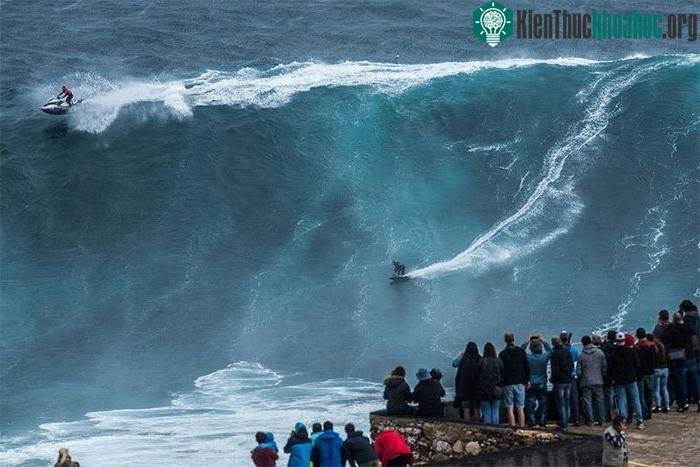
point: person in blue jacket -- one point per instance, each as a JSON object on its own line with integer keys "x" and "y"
{"x": 327, "y": 452}
{"x": 575, "y": 403}
{"x": 299, "y": 447}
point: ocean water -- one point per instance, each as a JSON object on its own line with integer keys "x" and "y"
{"x": 200, "y": 250}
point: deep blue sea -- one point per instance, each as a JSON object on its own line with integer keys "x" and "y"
{"x": 201, "y": 249}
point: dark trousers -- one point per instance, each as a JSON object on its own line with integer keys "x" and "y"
{"x": 646, "y": 394}
{"x": 400, "y": 461}
{"x": 593, "y": 404}
{"x": 609, "y": 393}
{"x": 575, "y": 402}
{"x": 537, "y": 405}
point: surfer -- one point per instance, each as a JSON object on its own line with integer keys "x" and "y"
{"x": 67, "y": 93}
{"x": 399, "y": 269}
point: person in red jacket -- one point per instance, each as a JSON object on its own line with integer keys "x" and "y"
{"x": 392, "y": 449}
{"x": 264, "y": 455}
{"x": 68, "y": 93}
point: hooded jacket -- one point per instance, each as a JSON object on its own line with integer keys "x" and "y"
{"x": 427, "y": 394}
{"x": 647, "y": 356}
{"x": 625, "y": 365}
{"x": 592, "y": 366}
{"x": 691, "y": 321}
{"x": 357, "y": 449}
{"x": 299, "y": 449}
{"x": 562, "y": 366}
{"x": 609, "y": 350}
{"x": 537, "y": 361}
{"x": 327, "y": 450}
{"x": 389, "y": 445}
{"x": 397, "y": 394}
{"x": 264, "y": 457}
{"x": 661, "y": 331}
{"x": 490, "y": 376}
{"x": 467, "y": 379}
{"x": 516, "y": 369}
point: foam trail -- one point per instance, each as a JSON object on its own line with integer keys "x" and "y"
{"x": 655, "y": 250}
{"x": 211, "y": 425}
{"x": 274, "y": 87}
{"x": 484, "y": 250}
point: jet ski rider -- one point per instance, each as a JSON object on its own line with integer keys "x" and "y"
{"x": 399, "y": 269}
{"x": 67, "y": 93}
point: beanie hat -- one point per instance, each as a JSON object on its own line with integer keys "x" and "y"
{"x": 423, "y": 374}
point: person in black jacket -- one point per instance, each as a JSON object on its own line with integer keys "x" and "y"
{"x": 515, "y": 377}
{"x": 608, "y": 349}
{"x": 646, "y": 351}
{"x": 427, "y": 394}
{"x": 683, "y": 356}
{"x": 490, "y": 385}
{"x": 467, "y": 384}
{"x": 357, "y": 449}
{"x": 624, "y": 371}
{"x": 562, "y": 367}
{"x": 397, "y": 392}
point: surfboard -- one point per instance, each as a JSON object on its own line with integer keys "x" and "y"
{"x": 399, "y": 278}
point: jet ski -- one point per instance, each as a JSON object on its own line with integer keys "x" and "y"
{"x": 399, "y": 272}
{"x": 58, "y": 106}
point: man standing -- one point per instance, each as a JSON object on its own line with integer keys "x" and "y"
{"x": 608, "y": 349}
{"x": 327, "y": 449}
{"x": 575, "y": 402}
{"x": 591, "y": 370}
{"x": 625, "y": 366}
{"x": 537, "y": 359}
{"x": 562, "y": 367}
{"x": 647, "y": 359}
{"x": 515, "y": 377}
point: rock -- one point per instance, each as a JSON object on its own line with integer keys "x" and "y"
{"x": 472, "y": 448}
{"x": 429, "y": 430}
{"x": 458, "y": 447}
{"x": 442, "y": 447}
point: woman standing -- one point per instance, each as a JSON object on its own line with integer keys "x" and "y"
{"x": 467, "y": 384}
{"x": 490, "y": 385}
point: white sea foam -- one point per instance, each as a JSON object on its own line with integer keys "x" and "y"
{"x": 521, "y": 233}
{"x": 274, "y": 87}
{"x": 649, "y": 241}
{"x": 212, "y": 425}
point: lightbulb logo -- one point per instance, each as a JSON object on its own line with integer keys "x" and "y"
{"x": 493, "y": 23}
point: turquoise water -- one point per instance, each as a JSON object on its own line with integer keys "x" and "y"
{"x": 229, "y": 198}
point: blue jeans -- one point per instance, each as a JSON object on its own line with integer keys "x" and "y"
{"x": 686, "y": 369}
{"x": 661, "y": 388}
{"x": 563, "y": 394}
{"x": 537, "y": 405}
{"x": 491, "y": 412}
{"x": 631, "y": 391}
{"x": 514, "y": 394}
{"x": 645, "y": 384}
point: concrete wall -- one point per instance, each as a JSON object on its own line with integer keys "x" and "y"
{"x": 454, "y": 442}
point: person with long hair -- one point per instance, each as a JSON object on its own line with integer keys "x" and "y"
{"x": 397, "y": 392}
{"x": 64, "y": 459}
{"x": 661, "y": 396}
{"x": 490, "y": 385}
{"x": 467, "y": 384}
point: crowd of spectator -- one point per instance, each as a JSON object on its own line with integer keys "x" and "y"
{"x": 325, "y": 448}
